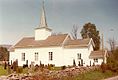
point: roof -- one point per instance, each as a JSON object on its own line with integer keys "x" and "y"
{"x": 44, "y": 28}
{"x": 53, "y": 40}
{"x": 77, "y": 43}
{"x": 11, "y": 49}
{"x": 97, "y": 54}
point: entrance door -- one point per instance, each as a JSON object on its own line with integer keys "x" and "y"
{"x": 81, "y": 62}
{"x": 26, "y": 62}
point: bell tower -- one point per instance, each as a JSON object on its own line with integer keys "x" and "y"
{"x": 42, "y": 32}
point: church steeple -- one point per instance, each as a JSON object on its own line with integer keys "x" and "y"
{"x": 43, "y": 22}
{"x": 43, "y": 31}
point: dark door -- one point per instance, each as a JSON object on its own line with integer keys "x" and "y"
{"x": 81, "y": 62}
{"x": 26, "y": 62}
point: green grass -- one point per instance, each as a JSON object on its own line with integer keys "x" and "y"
{"x": 3, "y": 71}
{"x": 56, "y": 68}
{"x": 94, "y": 75}
{"x": 25, "y": 70}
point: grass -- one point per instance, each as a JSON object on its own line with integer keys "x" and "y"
{"x": 95, "y": 75}
{"x": 25, "y": 70}
{"x": 3, "y": 71}
{"x": 56, "y": 68}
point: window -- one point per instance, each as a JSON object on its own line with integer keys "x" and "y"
{"x": 79, "y": 56}
{"x": 23, "y": 56}
{"x": 36, "y": 56}
{"x": 51, "y": 56}
{"x": 96, "y": 60}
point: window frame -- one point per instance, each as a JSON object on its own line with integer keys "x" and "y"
{"x": 36, "y": 56}
{"x": 96, "y": 60}
{"x": 79, "y": 56}
{"x": 50, "y": 56}
{"x": 23, "y": 56}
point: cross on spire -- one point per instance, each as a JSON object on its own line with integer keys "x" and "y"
{"x": 43, "y": 22}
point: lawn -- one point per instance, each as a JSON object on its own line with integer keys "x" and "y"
{"x": 95, "y": 75}
{"x": 2, "y": 71}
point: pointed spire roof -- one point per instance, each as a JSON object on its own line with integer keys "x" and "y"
{"x": 43, "y": 22}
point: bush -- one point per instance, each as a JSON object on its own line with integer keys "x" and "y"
{"x": 25, "y": 65}
{"x": 112, "y": 61}
{"x": 19, "y": 70}
{"x": 15, "y": 65}
{"x": 63, "y": 67}
{"x": 42, "y": 65}
{"x": 103, "y": 67}
{"x": 36, "y": 67}
{"x": 49, "y": 66}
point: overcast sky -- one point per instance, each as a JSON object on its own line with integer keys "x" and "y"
{"x": 19, "y": 18}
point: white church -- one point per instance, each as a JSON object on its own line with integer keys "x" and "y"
{"x": 59, "y": 50}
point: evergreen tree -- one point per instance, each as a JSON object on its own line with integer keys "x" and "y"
{"x": 3, "y": 53}
{"x": 89, "y": 31}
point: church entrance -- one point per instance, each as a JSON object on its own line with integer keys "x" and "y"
{"x": 80, "y": 62}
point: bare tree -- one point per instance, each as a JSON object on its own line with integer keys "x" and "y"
{"x": 74, "y": 32}
{"x": 112, "y": 44}
{"x": 55, "y": 33}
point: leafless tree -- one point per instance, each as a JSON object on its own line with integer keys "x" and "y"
{"x": 74, "y": 33}
{"x": 112, "y": 44}
{"x": 55, "y": 33}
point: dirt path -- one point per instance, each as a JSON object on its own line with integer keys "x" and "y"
{"x": 112, "y": 78}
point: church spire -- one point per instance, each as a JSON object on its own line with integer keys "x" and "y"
{"x": 43, "y": 22}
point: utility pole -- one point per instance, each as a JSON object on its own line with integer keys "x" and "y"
{"x": 103, "y": 47}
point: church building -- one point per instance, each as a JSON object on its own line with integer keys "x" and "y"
{"x": 59, "y": 50}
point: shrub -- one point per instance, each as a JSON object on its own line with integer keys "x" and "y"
{"x": 15, "y": 65}
{"x": 25, "y": 65}
{"x": 63, "y": 67}
{"x": 49, "y": 66}
{"x": 112, "y": 61}
{"x": 42, "y": 65}
{"x": 19, "y": 70}
{"x": 103, "y": 67}
{"x": 36, "y": 67}
{"x": 5, "y": 65}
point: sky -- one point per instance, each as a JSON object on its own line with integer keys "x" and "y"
{"x": 19, "y": 18}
